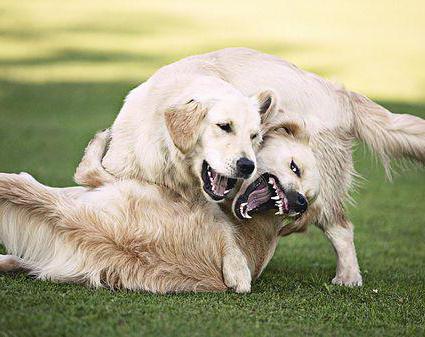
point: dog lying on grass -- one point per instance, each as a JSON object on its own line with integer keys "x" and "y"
{"x": 201, "y": 132}
{"x": 333, "y": 119}
{"x": 141, "y": 236}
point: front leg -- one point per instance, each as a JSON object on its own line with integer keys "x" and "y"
{"x": 341, "y": 236}
{"x": 236, "y": 273}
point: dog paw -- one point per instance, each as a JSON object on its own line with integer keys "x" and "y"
{"x": 236, "y": 273}
{"x": 349, "y": 280}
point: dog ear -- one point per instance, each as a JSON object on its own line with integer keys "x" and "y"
{"x": 295, "y": 128}
{"x": 183, "y": 123}
{"x": 267, "y": 105}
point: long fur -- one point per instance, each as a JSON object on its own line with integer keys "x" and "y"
{"x": 388, "y": 134}
{"x": 333, "y": 118}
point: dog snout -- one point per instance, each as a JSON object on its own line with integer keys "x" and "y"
{"x": 296, "y": 202}
{"x": 245, "y": 167}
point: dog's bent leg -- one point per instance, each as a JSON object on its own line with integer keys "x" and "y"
{"x": 341, "y": 236}
{"x": 90, "y": 171}
{"x": 9, "y": 263}
{"x": 236, "y": 272}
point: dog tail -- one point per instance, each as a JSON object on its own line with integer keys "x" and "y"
{"x": 90, "y": 171}
{"x": 24, "y": 191}
{"x": 389, "y": 135}
{"x": 29, "y": 211}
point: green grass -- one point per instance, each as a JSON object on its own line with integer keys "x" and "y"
{"x": 65, "y": 68}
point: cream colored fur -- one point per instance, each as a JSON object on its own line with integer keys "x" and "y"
{"x": 168, "y": 126}
{"x": 140, "y": 236}
{"x": 332, "y": 117}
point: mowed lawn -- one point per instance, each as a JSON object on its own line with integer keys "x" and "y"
{"x": 64, "y": 71}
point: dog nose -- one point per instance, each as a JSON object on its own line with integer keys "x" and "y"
{"x": 245, "y": 167}
{"x": 296, "y": 202}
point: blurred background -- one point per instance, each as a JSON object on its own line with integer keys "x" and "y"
{"x": 377, "y": 47}
{"x": 66, "y": 66}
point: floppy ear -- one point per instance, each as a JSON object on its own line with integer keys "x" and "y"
{"x": 183, "y": 123}
{"x": 295, "y": 128}
{"x": 267, "y": 104}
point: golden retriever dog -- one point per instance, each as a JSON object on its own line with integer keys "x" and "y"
{"x": 141, "y": 236}
{"x": 332, "y": 117}
{"x": 202, "y": 135}
{"x": 186, "y": 127}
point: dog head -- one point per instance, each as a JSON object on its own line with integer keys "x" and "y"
{"x": 287, "y": 179}
{"x": 218, "y": 137}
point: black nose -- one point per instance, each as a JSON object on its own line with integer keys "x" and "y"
{"x": 296, "y": 202}
{"x": 245, "y": 167}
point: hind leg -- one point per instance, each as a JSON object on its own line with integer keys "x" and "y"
{"x": 341, "y": 236}
{"x": 9, "y": 263}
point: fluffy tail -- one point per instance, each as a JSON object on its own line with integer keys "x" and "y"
{"x": 90, "y": 171}
{"x": 38, "y": 200}
{"x": 389, "y": 135}
{"x": 29, "y": 212}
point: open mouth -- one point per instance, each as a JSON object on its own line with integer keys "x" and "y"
{"x": 216, "y": 185}
{"x": 263, "y": 194}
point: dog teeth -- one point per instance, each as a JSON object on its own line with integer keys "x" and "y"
{"x": 276, "y": 197}
{"x": 244, "y": 210}
{"x": 280, "y": 211}
{"x": 226, "y": 191}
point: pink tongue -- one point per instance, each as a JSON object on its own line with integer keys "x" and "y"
{"x": 258, "y": 197}
{"x": 220, "y": 184}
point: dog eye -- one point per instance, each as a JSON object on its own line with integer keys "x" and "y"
{"x": 255, "y": 135}
{"x": 225, "y": 127}
{"x": 295, "y": 168}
